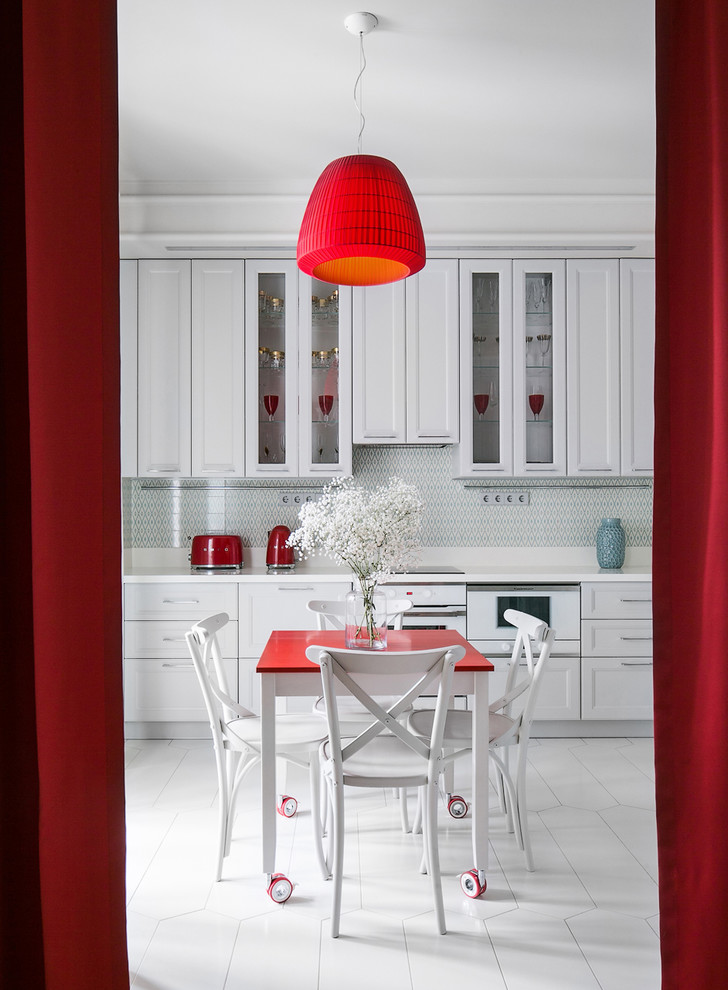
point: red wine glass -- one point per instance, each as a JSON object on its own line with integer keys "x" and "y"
{"x": 481, "y": 403}
{"x": 535, "y": 401}
{"x": 271, "y": 404}
{"x": 326, "y": 404}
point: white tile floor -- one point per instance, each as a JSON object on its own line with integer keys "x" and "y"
{"x": 586, "y": 919}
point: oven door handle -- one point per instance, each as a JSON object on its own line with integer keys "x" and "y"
{"x": 432, "y": 614}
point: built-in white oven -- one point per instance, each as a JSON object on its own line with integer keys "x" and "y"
{"x": 558, "y": 605}
{"x": 435, "y": 605}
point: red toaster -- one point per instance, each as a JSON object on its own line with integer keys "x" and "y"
{"x": 213, "y": 552}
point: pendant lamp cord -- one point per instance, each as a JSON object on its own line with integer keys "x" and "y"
{"x": 358, "y": 86}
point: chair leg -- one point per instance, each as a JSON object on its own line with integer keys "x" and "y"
{"x": 314, "y": 770}
{"x": 403, "y": 809}
{"x": 221, "y": 761}
{"x": 433, "y": 855}
{"x": 337, "y": 800}
{"x": 522, "y": 808}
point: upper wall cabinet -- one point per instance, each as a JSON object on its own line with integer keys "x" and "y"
{"x": 405, "y": 361}
{"x": 164, "y": 368}
{"x": 611, "y": 332}
{"x": 298, "y": 373}
{"x": 513, "y": 381}
{"x": 637, "y": 366}
{"x": 189, "y": 409}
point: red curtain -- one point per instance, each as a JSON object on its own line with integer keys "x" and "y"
{"x": 62, "y": 904}
{"x": 690, "y": 548}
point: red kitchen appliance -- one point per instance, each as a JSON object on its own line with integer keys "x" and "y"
{"x": 279, "y": 556}
{"x": 216, "y": 552}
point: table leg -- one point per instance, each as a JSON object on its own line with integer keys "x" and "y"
{"x": 268, "y": 771}
{"x": 480, "y": 755}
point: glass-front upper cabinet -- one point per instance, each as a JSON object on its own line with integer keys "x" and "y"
{"x": 271, "y": 316}
{"x": 486, "y": 369}
{"x": 539, "y": 357}
{"x": 324, "y": 326}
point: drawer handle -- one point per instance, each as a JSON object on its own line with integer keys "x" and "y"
{"x": 180, "y": 664}
{"x": 297, "y": 587}
{"x": 634, "y": 601}
{"x": 173, "y": 639}
{"x": 636, "y": 639}
{"x": 180, "y": 601}
{"x": 636, "y": 663}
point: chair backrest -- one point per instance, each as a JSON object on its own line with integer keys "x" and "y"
{"x": 525, "y": 670}
{"x": 332, "y": 614}
{"x": 404, "y": 675}
{"x": 207, "y": 661}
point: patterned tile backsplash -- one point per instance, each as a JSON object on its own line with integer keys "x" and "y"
{"x": 562, "y": 512}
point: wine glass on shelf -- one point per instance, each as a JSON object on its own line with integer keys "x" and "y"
{"x": 479, "y": 341}
{"x": 535, "y": 401}
{"x": 270, "y": 402}
{"x": 544, "y": 343}
{"x": 326, "y": 404}
{"x": 481, "y": 401}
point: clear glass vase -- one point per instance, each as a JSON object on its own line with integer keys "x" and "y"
{"x": 366, "y": 619}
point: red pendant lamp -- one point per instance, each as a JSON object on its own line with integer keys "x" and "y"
{"x": 361, "y": 225}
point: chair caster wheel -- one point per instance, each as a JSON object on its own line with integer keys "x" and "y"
{"x": 457, "y": 806}
{"x": 471, "y": 885}
{"x": 280, "y": 888}
{"x": 287, "y": 806}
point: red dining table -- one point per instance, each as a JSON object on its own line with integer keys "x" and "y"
{"x": 286, "y": 672}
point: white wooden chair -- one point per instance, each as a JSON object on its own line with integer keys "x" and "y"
{"x": 385, "y": 753}
{"x": 331, "y": 614}
{"x": 510, "y": 726}
{"x": 236, "y": 735}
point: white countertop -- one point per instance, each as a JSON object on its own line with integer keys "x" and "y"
{"x": 481, "y": 565}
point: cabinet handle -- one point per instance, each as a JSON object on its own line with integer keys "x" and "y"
{"x": 636, "y": 639}
{"x": 298, "y": 587}
{"x": 636, "y": 663}
{"x": 173, "y": 639}
{"x": 163, "y": 470}
{"x": 635, "y": 601}
{"x": 180, "y": 601}
{"x": 180, "y": 664}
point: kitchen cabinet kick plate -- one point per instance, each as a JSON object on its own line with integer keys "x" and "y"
{"x": 505, "y": 498}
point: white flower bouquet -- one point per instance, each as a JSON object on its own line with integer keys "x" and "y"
{"x": 375, "y": 533}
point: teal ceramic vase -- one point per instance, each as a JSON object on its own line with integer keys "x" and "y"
{"x": 611, "y": 543}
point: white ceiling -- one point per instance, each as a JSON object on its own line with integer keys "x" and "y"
{"x": 544, "y": 99}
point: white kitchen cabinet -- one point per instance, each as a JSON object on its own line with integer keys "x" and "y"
{"x": 593, "y": 363}
{"x": 164, "y": 374}
{"x": 324, "y": 365}
{"x": 539, "y": 368}
{"x": 190, "y": 369}
{"x": 617, "y": 651}
{"x": 270, "y": 605}
{"x": 611, "y": 332}
{"x": 559, "y": 696}
{"x": 217, "y": 369}
{"x": 128, "y": 295}
{"x": 406, "y": 368}
{"x": 637, "y": 307}
{"x": 513, "y": 369}
{"x": 162, "y": 696}
{"x": 486, "y": 370}
{"x": 271, "y": 368}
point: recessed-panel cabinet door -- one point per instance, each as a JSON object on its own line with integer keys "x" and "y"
{"x": 379, "y": 386}
{"x": 592, "y": 315}
{"x": 638, "y": 365}
{"x": 164, "y": 368}
{"x": 431, "y": 299}
{"x": 217, "y": 369}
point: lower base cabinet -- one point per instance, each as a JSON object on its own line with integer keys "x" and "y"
{"x": 162, "y": 697}
{"x": 559, "y": 697}
{"x": 616, "y": 646}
